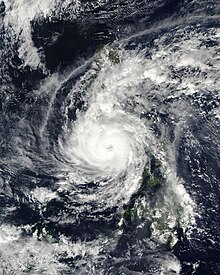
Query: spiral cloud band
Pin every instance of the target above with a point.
(103, 145)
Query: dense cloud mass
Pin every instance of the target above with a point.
(109, 156)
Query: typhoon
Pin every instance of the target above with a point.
(110, 142)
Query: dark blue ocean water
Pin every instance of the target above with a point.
(86, 88)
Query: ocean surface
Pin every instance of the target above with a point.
(109, 137)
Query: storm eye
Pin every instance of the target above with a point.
(109, 147)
